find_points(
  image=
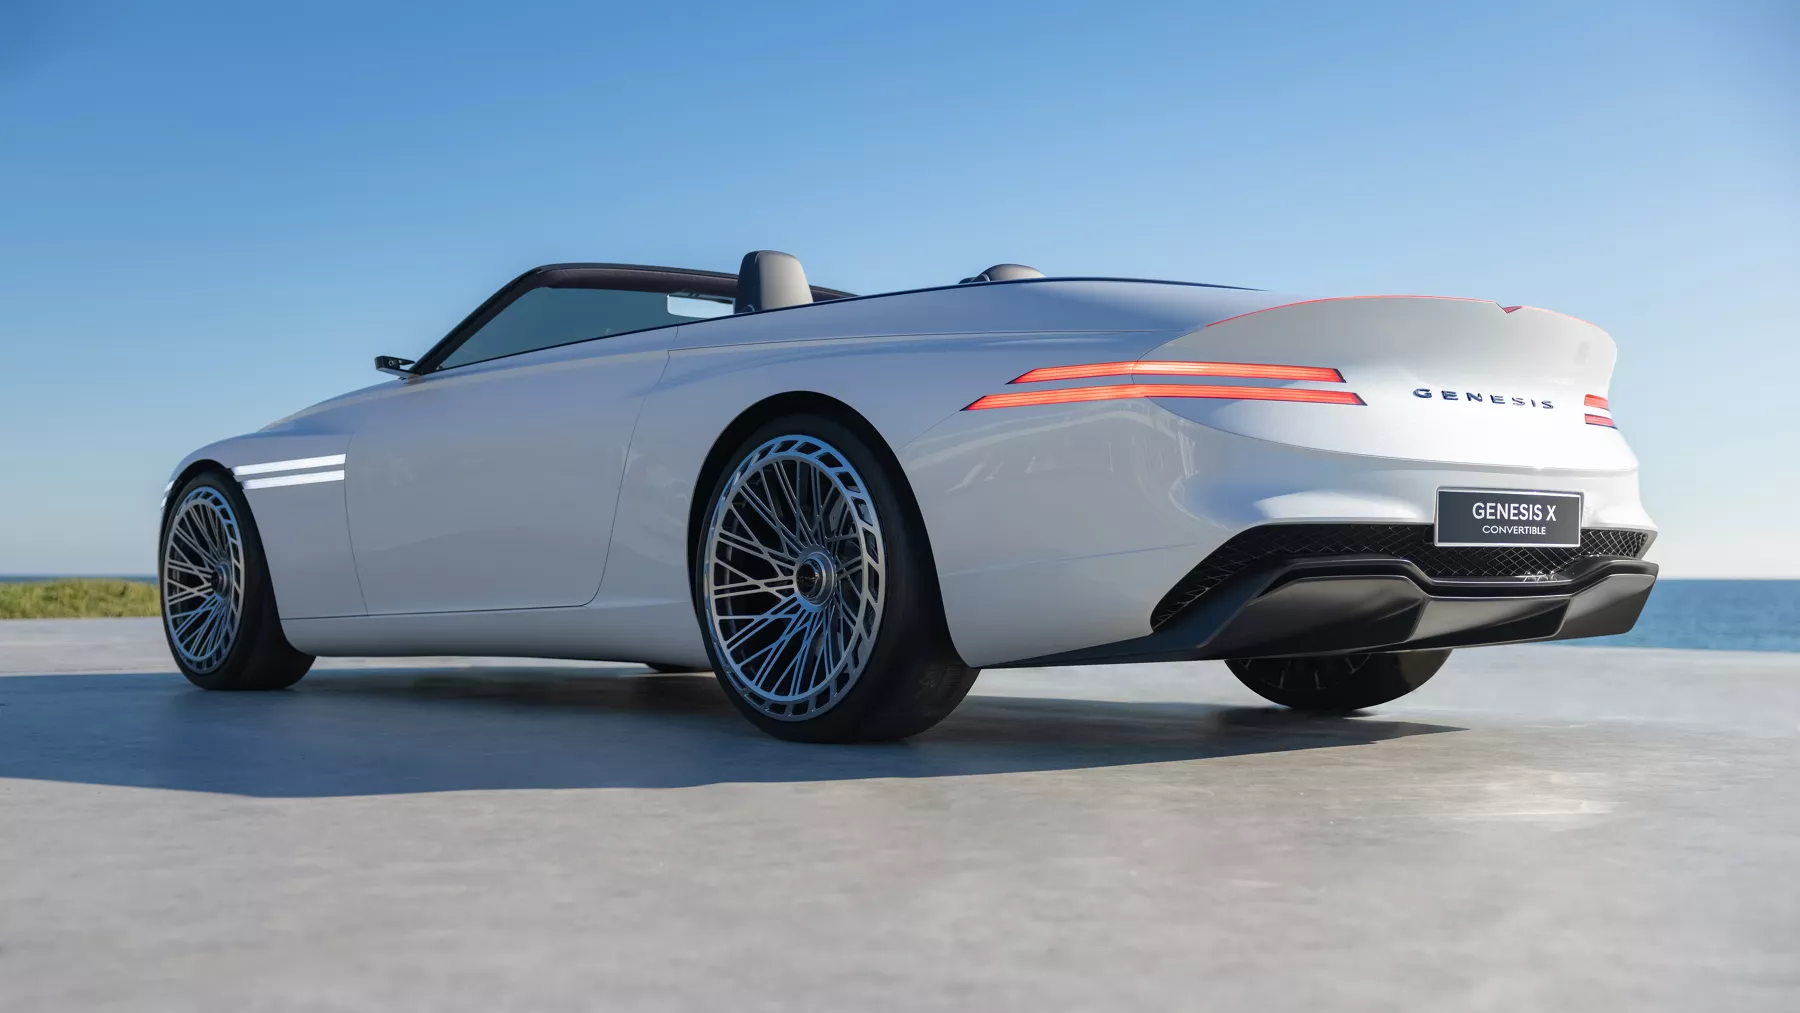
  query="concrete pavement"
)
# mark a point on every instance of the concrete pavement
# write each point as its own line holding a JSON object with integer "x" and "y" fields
{"x": 1539, "y": 828}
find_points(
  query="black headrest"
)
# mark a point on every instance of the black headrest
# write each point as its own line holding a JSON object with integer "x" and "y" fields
{"x": 768, "y": 280}
{"x": 1005, "y": 272}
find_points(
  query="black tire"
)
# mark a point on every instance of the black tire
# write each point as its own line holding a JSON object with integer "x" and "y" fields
{"x": 911, "y": 677}
{"x": 1338, "y": 683}
{"x": 257, "y": 655}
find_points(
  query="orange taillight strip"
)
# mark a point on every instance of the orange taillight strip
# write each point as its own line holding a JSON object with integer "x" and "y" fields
{"x": 1246, "y": 370}
{"x": 1123, "y": 391}
{"x": 1598, "y": 403}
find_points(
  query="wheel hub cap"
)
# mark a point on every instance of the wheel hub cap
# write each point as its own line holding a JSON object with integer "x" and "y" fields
{"x": 816, "y": 577}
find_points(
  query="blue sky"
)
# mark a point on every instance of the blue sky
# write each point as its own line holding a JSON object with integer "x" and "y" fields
{"x": 213, "y": 214}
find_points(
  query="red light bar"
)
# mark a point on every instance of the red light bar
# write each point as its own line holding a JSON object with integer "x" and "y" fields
{"x": 1252, "y": 370}
{"x": 1594, "y": 401}
{"x": 1122, "y": 391}
{"x": 1601, "y": 420}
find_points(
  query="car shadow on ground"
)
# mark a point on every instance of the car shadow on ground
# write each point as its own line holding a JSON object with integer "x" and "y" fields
{"x": 398, "y": 731}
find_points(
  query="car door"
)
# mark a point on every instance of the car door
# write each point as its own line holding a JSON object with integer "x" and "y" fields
{"x": 490, "y": 481}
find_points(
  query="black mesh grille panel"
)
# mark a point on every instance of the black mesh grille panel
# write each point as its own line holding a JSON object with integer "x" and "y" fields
{"x": 1411, "y": 542}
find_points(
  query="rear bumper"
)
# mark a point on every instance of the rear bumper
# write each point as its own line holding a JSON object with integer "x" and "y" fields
{"x": 1058, "y": 531}
{"x": 1350, "y": 604}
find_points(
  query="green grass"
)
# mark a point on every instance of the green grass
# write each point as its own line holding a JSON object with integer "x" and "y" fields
{"x": 77, "y": 598}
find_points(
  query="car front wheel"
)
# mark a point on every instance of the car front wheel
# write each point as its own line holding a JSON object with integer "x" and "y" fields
{"x": 218, "y": 607}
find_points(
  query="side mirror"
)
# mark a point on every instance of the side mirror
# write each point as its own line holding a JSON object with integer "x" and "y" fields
{"x": 395, "y": 365}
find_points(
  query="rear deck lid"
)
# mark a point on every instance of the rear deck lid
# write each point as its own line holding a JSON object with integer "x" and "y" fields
{"x": 1448, "y": 380}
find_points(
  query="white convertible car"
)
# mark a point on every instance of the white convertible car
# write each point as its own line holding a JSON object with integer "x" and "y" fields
{"x": 846, "y": 506}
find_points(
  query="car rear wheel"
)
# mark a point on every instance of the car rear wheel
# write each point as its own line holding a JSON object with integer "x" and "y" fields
{"x": 816, "y": 592}
{"x": 218, "y": 606}
{"x": 1341, "y": 682}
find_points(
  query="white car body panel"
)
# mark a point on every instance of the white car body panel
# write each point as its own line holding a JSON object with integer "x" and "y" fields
{"x": 1389, "y": 346}
{"x": 1127, "y": 497}
{"x": 539, "y": 505}
{"x": 492, "y": 486}
{"x": 304, "y": 534}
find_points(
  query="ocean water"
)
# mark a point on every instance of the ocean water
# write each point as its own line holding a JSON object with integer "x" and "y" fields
{"x": 1715, "y": 615}
{"x": 1707, "y": 615}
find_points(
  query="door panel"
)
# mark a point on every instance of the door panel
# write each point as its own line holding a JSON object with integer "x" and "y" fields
{"x": 492, "y": 486}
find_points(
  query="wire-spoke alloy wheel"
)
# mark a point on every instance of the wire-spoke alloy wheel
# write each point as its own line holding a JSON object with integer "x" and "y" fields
{"x": 203, "y": 579}
{"x": 218, "y": 606}
{"x": 1339, "y": 682}
{"x": 795, "y": 577}
{"x": 815, "y": 589}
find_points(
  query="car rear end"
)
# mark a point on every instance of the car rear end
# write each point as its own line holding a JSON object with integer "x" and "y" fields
{"x": 1310, "y": 477}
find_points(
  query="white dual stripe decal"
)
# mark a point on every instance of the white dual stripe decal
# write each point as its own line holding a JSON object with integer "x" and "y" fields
{"x": 298, "y": 464}
{"x": 301, "y": 464}
{"x": 309, "y": 478}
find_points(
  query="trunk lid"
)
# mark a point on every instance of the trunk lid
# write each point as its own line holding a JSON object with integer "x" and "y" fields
{"x": 1448, "y": 380}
